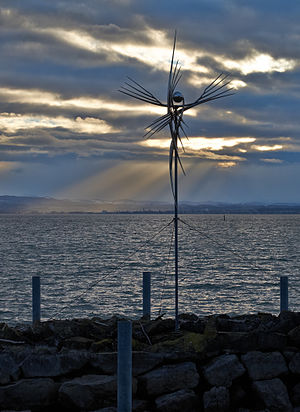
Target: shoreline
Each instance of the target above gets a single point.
(244, 363)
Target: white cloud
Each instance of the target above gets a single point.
(200, 143)
(226, 165)
(265, 148)
(12, 122)
(259, 62)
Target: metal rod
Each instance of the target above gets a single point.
(284, 293)
(124, 366)
(176, 223)
(36, 299)
(147, 295)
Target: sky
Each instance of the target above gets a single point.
(67, 132)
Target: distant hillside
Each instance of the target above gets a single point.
(23, 204)
(26, 205)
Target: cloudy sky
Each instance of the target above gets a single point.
(66, 131)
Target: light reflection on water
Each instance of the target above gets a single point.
(88, 268)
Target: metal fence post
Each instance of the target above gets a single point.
(124, 366)
(147, 295)
(284, 293)
(36, 299)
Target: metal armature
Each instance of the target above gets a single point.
(176, 106)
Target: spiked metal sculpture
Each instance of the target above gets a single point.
(176, 106)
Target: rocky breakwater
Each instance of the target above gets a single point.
(216, 363)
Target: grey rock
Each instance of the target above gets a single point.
(107, 409)
(294, 336)
(237, 325)
(78, 342)
(88, 392)
(159, 326)
(9, 333)
(216, 400)
(143, 362)
(10, 410)
(270, 341)
(242, 342)
(169, 378)
(104, 363)
(179, 401)
(274, 395)
(197, 326)
(261, 365)
(186, 316)
(294, 364)
(238, 342)
(52, 365)
(238, 394)
(251, 410)
(288, 354)
(140, 405)
(9, 369)
(28, 393)
(295, 395)
(222, 370)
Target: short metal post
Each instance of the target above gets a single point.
(284, 293)
(36, 299)
(124, 366)
(147, 295)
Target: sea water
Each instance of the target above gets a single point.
(92, 264)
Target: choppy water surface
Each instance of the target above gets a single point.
(88, 265)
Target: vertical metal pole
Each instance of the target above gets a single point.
(284, 293)
(36, 299)
(124, 366)
(176, 225)
(147, 295)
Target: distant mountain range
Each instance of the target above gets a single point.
(27, 205)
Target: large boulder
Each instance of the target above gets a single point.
(294, 336)
(9, 333)
(270, 341)
(295, 394)
(237, 325)
(273, 394)
(28, 393)
(261, 365)
(242, 342)
(88, 392)
(53, 365)
(140, 405)
(179, 401)
(104, 363)
(142, 362)
(222, 370)
(294, 364)
(169, 378)
(78, 342)
(216, 400)
(9, 369)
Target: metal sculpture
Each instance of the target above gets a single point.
(176, 107)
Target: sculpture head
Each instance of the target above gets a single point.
(177, 97)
